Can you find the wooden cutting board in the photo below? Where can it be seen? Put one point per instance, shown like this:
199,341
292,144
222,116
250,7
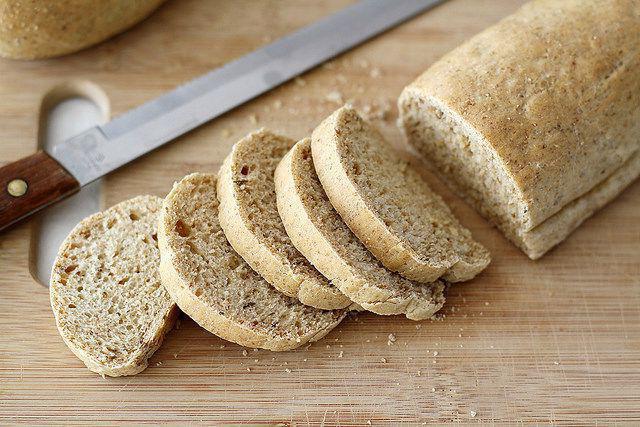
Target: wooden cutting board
555,341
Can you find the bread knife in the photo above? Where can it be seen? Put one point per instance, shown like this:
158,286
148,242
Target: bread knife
34,182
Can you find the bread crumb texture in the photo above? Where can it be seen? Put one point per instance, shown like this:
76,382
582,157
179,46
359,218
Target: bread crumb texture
106,295
249,217
388,205
216,287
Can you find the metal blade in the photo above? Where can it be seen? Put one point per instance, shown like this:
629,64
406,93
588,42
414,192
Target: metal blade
102,149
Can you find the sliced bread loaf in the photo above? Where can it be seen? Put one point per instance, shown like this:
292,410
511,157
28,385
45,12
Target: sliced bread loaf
321,235
213,285
106,296
250,220
389,206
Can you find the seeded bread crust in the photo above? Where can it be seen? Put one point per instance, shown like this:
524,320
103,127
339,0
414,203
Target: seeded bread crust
106,296
319,233
530,116
249,217
213,285
389,206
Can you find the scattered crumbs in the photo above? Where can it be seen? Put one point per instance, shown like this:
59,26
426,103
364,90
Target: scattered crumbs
255,350
383,360
307,347
435,352
490,346
459,335
341,354
248,369
244,352
253,119
328,346
418,326
329,65
435,361
222,346
419,373
377,110
226,133
286,363
486,303
392,338
273,358
461,346
480,313
277,104
556,363
473,413
287,370
336,339
368,341
368,422
335,96
159,363
255,360
175,355
375,72
433,389
304,360
300,81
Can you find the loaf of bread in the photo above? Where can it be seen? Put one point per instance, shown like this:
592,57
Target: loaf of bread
45,28
212,284
536,120
106,296
388,205
322,236
250,220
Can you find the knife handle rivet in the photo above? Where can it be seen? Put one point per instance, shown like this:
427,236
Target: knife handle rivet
17,187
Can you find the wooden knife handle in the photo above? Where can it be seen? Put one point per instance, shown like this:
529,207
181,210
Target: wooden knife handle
30,184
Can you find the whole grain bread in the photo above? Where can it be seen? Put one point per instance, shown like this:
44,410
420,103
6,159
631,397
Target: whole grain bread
106,296
321,235
212,284
249,217
389,206
46,28
530,117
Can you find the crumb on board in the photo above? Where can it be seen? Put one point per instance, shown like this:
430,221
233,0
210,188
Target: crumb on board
253,118
473,413
383,360
244,352
335,96
287,370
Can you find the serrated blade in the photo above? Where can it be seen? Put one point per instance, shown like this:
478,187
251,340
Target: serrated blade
102,149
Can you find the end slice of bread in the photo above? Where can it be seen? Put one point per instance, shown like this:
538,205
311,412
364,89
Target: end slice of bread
250,220
322,236
212,284
106,295
389,206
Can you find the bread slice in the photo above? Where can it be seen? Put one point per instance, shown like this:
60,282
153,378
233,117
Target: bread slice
250,220
320,234
106,296
213,285
389,206
535,121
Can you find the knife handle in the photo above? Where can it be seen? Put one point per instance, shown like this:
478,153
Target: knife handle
30,184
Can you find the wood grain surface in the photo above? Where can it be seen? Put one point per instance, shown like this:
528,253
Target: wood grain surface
555,341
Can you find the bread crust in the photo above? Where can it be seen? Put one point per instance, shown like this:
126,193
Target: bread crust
58,27
313,290
136,361
175,275
552,92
